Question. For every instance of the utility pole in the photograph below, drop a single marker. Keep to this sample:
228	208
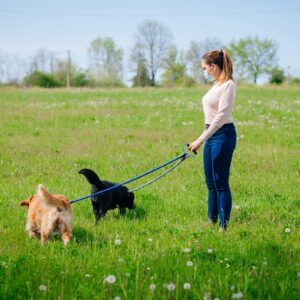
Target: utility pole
69	68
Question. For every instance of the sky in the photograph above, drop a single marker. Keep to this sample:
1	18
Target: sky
59	25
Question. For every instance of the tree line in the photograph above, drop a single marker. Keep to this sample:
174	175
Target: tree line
154	60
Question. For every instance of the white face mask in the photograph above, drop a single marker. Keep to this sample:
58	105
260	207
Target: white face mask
207	76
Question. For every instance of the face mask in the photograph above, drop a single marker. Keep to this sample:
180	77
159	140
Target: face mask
207	76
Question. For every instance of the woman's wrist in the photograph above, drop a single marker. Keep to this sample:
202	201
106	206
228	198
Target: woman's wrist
200	141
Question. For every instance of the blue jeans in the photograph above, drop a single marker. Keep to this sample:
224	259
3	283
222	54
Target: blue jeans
217	155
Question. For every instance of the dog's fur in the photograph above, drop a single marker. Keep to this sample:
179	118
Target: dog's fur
48	213
119	197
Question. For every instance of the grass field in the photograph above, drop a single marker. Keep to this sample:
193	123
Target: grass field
47	136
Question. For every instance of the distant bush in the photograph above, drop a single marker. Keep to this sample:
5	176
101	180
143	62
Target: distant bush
41	79
80	80
277	76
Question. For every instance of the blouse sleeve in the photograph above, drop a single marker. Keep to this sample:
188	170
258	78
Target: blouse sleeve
224	111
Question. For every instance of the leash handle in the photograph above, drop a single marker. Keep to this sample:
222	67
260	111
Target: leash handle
194	151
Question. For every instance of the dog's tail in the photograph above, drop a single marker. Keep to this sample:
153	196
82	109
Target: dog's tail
91	177
58	201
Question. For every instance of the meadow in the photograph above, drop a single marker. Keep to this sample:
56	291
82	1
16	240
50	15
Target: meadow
163	249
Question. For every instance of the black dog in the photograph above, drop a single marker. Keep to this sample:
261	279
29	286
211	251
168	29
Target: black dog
118	197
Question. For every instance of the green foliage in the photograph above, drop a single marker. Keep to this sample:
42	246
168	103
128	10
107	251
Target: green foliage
80	79
141	79
41	79
277	76
106	60
175	70
253	57
48	136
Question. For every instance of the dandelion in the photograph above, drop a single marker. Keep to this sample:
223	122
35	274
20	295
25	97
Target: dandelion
111	279
287	230
117	298
186	250
118	242
209	251
152	287
216	298
148	268
150	240
171	286
42	288
237	296
121	260
187	286
87	275
189	263
207	296
227	266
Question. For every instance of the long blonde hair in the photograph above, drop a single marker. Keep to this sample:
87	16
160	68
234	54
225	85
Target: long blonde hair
222	60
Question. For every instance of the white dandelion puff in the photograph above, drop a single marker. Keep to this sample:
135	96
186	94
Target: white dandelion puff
150	240
117	298
87	275
118	242
207	296
152	287
186	250
121	259
42	288
189	263
237	296
209	251
171	286
287	230
111	279
187	286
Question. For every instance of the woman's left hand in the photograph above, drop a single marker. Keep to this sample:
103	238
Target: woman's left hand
195	145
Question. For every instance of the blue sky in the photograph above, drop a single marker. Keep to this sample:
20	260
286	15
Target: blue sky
57	25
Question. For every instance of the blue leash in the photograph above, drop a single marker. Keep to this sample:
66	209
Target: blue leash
183	156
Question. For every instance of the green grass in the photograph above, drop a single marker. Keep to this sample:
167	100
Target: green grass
47	136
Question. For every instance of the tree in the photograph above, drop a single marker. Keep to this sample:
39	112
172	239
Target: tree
277	76
175	68
105	62
153	41
195	53
139	66
253	57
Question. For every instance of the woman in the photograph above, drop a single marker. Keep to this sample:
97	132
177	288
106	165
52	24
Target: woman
219	135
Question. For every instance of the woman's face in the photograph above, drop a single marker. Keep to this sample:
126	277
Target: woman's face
209	68
212	69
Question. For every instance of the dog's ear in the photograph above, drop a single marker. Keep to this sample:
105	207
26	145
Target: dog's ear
26	202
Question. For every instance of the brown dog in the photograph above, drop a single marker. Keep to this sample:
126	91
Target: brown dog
48	213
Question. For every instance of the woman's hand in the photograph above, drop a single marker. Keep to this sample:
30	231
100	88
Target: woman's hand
195	145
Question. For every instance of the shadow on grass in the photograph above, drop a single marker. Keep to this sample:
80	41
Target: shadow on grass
80	235
138	213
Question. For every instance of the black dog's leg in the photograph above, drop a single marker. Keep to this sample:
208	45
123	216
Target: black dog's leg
122	211
100	214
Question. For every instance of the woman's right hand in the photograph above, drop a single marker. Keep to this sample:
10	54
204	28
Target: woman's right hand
195	145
